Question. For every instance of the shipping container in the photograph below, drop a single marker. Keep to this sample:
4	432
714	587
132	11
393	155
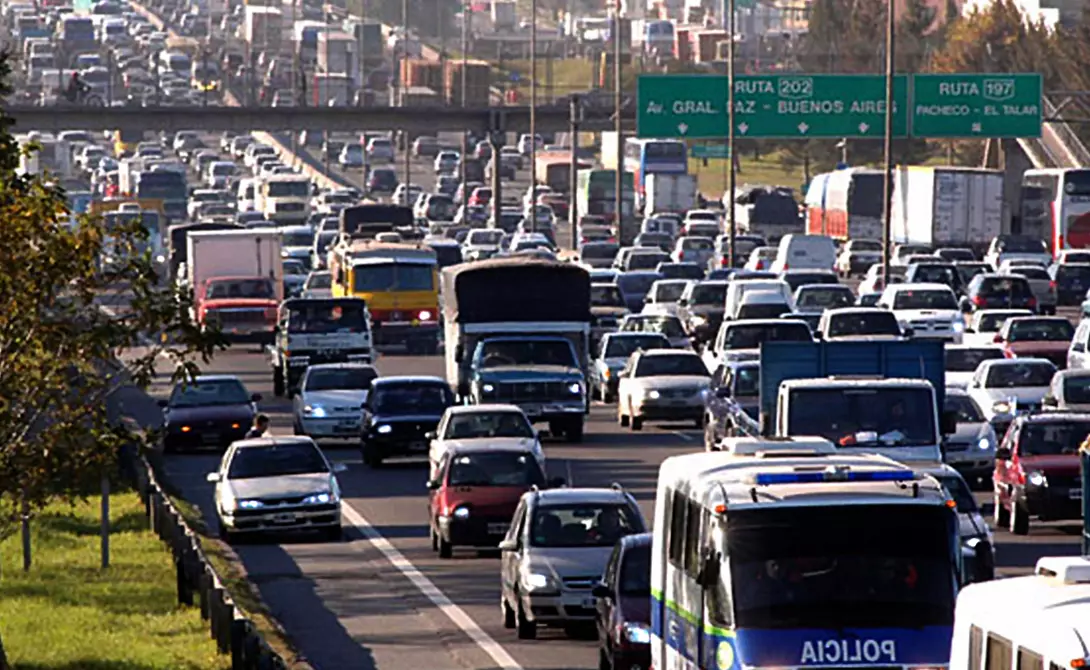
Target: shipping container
946	206
421	72
418	96
478	83
852	205
331	90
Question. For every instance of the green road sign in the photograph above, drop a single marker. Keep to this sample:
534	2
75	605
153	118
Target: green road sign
976	105
710	151
766	106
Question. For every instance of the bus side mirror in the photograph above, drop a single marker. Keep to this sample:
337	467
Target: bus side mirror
709	570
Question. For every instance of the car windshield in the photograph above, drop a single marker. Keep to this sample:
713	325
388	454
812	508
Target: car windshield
340	379
599	250
964	406
276	460
1040	330
636	571
258	289
1052	438
1021	245
501	353
1076	389
485	237
992	322
205	393
747	381
1033	272
297	238
606	295
637	284
670	326
871	322
697	244
587	525
709	294
622	346
327	317
810	567
924	299
668	291
287	189
472	425
959	492
411	398
968	360
750	336
670	364
646	261
935	273
373	278
319	280
1019	375
855	417
497	468
1003	287
969	270
825	297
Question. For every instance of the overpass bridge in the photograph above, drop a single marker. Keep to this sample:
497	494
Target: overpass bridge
1058	146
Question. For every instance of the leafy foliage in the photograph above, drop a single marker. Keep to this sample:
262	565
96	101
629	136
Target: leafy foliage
59	348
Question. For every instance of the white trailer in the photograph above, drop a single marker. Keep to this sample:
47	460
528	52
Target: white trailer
666	193
234	253
946	206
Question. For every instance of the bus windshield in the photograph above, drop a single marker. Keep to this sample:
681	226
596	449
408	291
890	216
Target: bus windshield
369	278
860	416
811	567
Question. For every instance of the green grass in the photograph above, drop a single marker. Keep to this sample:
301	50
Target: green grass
69	614
712	176
569	75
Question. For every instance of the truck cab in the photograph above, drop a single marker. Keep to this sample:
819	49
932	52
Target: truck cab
284	198
310	331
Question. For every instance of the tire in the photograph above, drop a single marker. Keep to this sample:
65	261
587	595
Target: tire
1001	515
224	534
509	621
622	419
527	630
334	533
446	549
574	432
278	382
434	538
637	423
1019	520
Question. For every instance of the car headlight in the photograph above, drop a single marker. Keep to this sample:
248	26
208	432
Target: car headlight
425	315
384	429
637	634
1003	407
653	394
575	388
319	498
698	320
461	513
984	443
487	388
1037	479
249	504
536	581
958	325
314	411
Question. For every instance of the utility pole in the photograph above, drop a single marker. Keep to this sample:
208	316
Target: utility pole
467	14
360	44
576	111
618	183
887	146
731	176
533	116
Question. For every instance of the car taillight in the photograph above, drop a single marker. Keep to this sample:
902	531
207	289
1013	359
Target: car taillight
1033	302
998	339
1052	285
978	300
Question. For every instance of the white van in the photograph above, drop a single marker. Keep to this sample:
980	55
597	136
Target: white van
738	288
1037	622
247	194
805	252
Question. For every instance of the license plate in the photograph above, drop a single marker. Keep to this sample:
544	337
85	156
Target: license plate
284	518
497	528
418	446
344	428
1075	494
210	438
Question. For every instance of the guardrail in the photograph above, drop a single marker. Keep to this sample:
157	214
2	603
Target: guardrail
199	584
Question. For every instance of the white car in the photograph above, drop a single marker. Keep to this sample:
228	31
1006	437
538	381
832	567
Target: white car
663	296
662	385
319	284
276	484
495	425
329	401
985	324
971	448
446	162
1004	388
872	281
930	310
962	360
857	256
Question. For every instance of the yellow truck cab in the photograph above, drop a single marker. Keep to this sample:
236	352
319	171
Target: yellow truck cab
399	281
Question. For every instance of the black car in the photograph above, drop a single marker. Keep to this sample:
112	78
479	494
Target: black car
398	415
209	411
623	609
733	403
999	291
701	310
1072	280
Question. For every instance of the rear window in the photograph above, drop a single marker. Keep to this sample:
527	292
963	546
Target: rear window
967	360
1041	330
1015	287
1032	273
1022	245
1072	273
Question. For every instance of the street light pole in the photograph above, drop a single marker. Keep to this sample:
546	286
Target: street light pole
618	177
466	14
887	147
533	116
731	223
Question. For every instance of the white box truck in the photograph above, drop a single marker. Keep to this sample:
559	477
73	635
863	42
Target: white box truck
946	206
504	15
669	193
237	277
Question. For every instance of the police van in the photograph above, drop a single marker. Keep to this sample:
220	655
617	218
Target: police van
1037	622
785	554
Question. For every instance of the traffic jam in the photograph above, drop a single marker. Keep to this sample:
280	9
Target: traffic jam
865	434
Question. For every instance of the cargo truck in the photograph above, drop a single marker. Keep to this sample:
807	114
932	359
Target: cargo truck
332	90
263	27
883	397
553	169
947	206
517	331
237	278
504	15
337	54
846	204
669	193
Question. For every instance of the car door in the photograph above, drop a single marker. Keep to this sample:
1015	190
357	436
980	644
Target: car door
604	606
716	402
1078	358
509	570
436	483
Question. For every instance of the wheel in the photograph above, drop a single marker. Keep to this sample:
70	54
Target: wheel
278	382
527	630
446	549
508	614
225	534
637	422
1019	519
622	418
371	459
434	538
608	397
297	428
1001	515
334	533
574	432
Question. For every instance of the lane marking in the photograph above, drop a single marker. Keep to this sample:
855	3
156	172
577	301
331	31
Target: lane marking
684	436
445	605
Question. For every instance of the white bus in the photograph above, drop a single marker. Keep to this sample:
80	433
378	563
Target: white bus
776	556
1056	207
1037	622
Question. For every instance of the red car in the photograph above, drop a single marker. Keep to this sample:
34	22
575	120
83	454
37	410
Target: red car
1037	337
474	495
1037	469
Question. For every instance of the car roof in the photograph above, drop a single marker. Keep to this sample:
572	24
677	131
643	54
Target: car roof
346	365
409	379
273	441
485	407
668	352
1055	416
561	496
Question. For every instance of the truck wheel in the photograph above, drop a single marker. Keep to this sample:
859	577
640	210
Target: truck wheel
574	431
637	422
278	381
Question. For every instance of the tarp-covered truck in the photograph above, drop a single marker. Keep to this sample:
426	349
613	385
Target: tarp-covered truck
517	331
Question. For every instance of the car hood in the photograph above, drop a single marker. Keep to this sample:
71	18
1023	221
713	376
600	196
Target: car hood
564	562
1066	465
959	380
513	373
290	486
210	413
492	501
341	398
609	311
496	442
927	314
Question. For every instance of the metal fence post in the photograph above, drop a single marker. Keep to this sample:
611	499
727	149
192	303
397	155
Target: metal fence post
206	593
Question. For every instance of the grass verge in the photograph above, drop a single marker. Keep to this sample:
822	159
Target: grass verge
66	613
230	570
569	75
711	174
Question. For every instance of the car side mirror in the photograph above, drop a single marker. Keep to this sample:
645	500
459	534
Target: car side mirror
213	477
509	545
340	467
600	590
431	435
981	568
256	397
163	403
1050	401
1003	453
557	482
949	423
432	484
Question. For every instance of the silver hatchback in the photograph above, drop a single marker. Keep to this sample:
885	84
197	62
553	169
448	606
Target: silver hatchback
556	551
